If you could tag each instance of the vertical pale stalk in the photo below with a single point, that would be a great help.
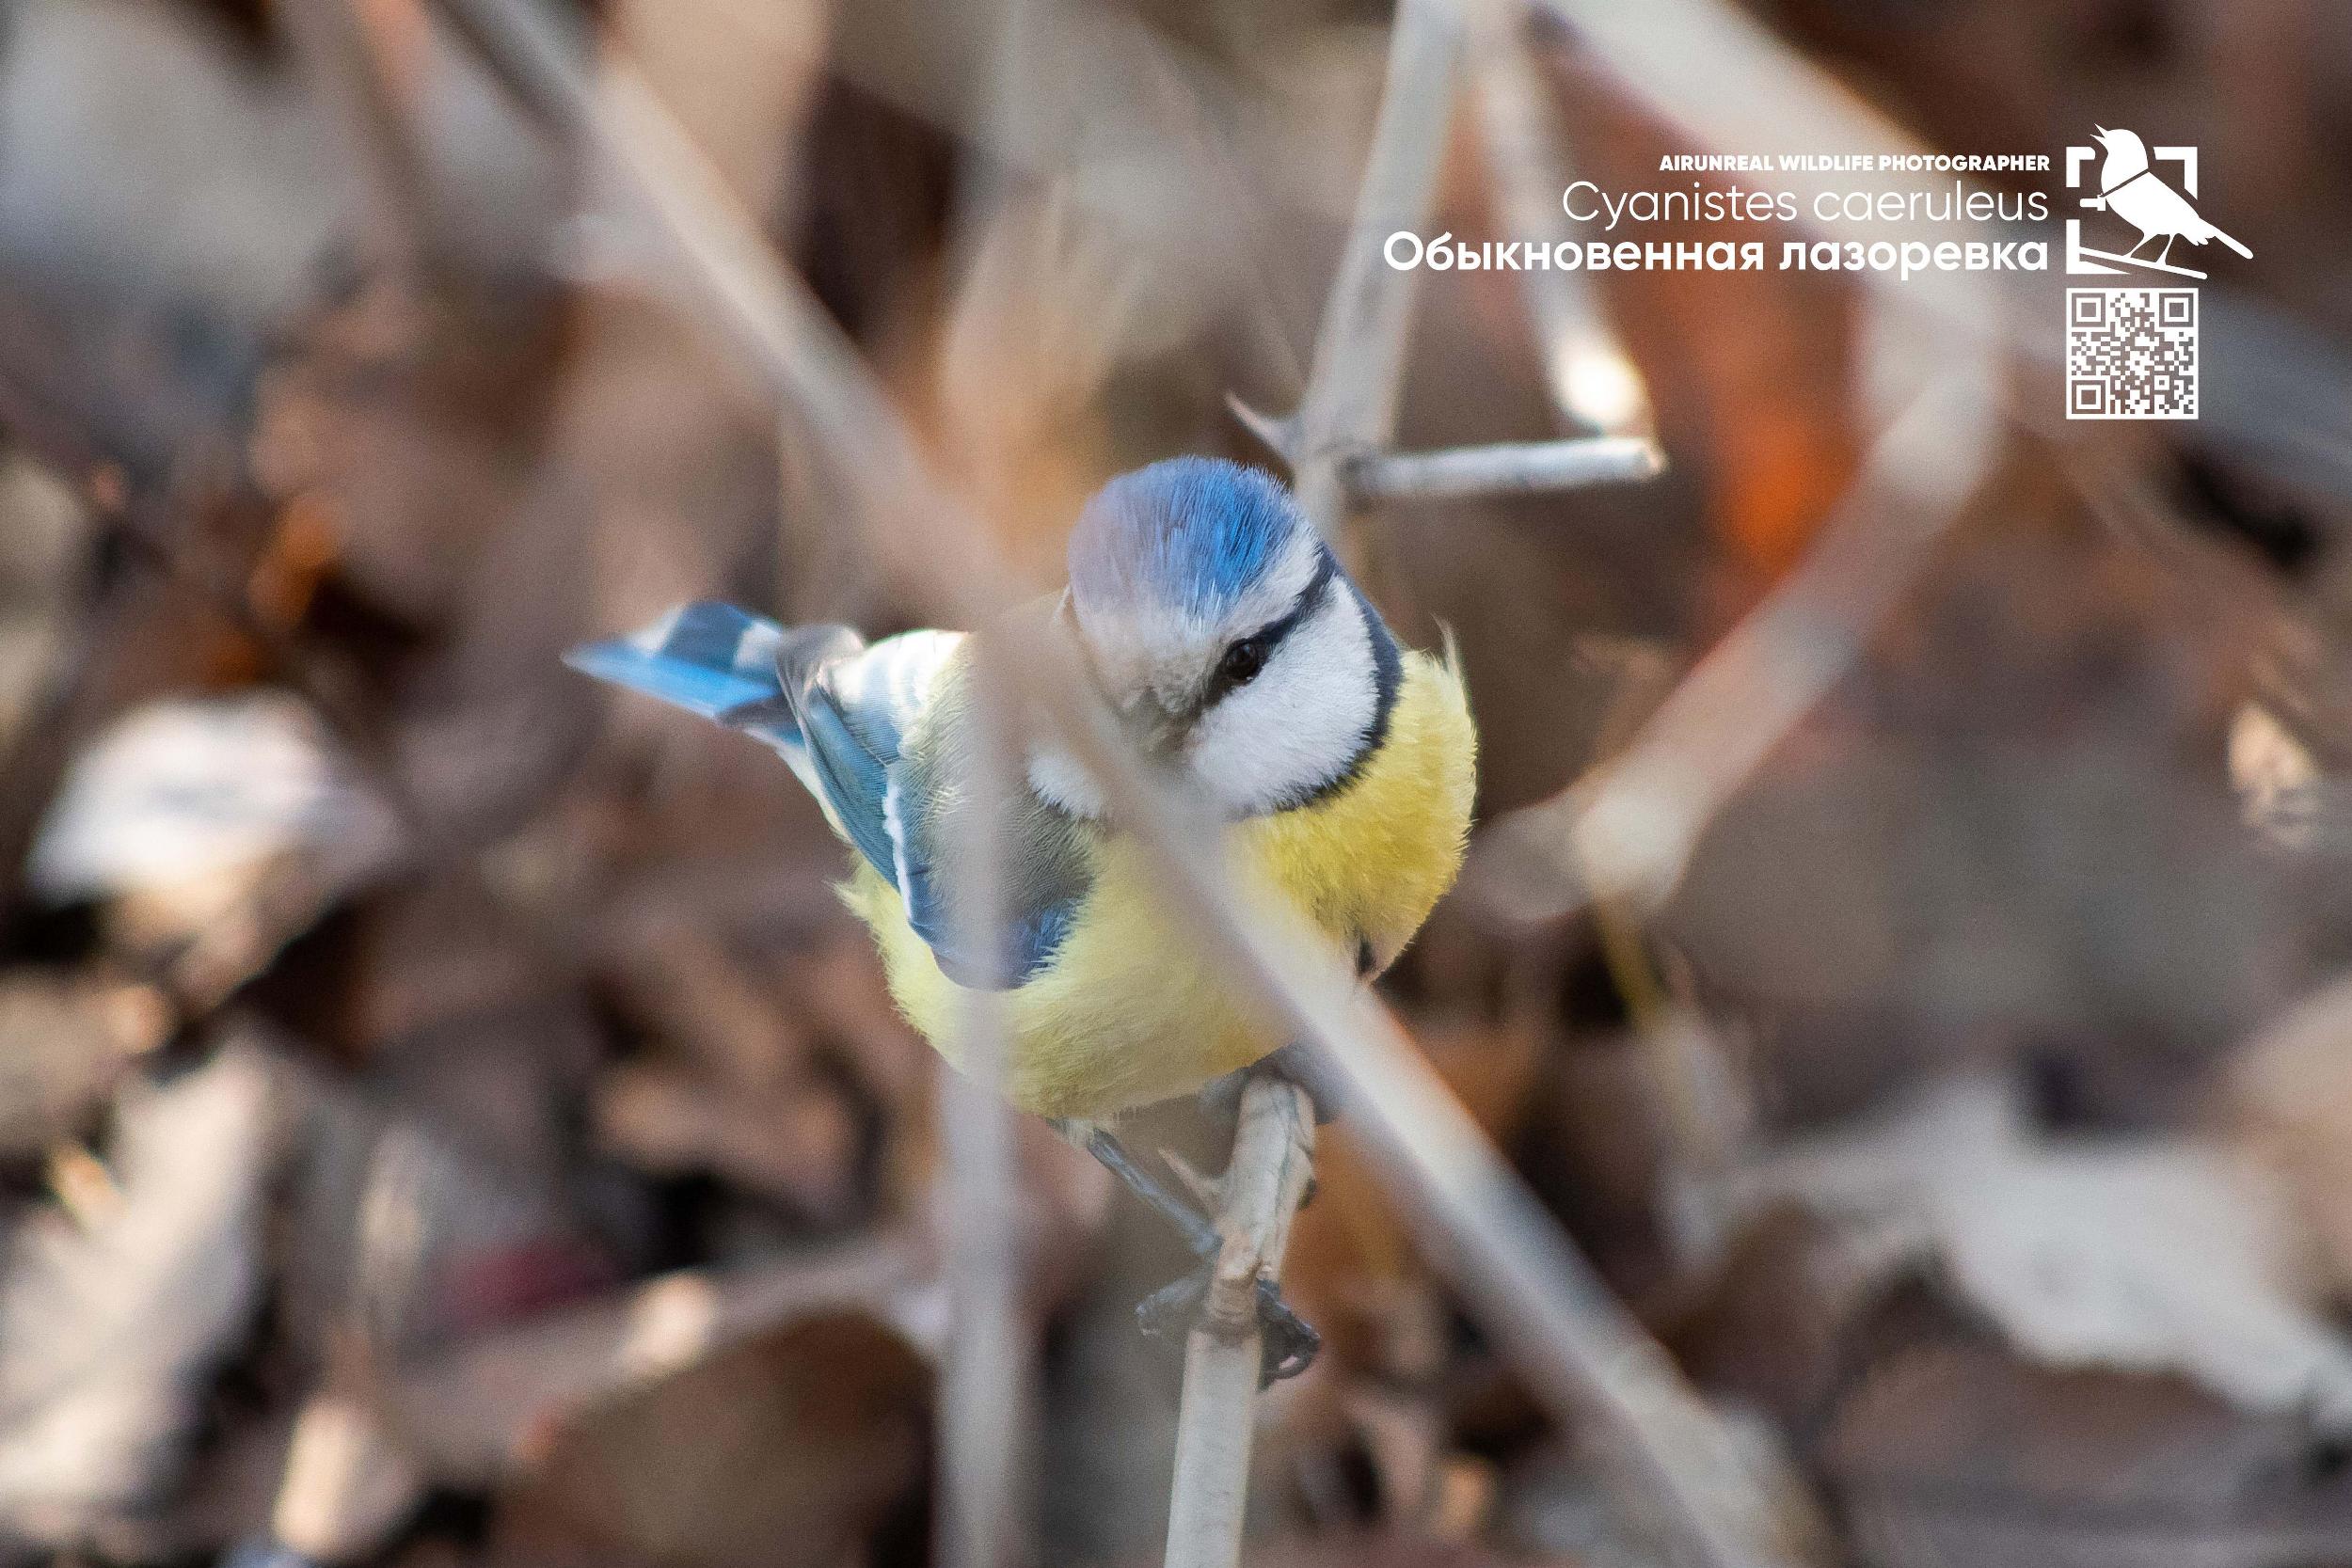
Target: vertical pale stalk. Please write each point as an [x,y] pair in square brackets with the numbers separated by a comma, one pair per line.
[1349,409]
[984,1395]
[1265,1183]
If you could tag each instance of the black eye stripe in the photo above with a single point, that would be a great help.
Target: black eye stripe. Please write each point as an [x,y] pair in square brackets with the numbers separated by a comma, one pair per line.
[1310,599]
[1225,679]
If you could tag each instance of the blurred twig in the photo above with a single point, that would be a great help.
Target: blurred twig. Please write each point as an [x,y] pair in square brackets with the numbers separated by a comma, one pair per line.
[1358,367]
[354,54]
[1593,385]
[1630,832]
[983,1417]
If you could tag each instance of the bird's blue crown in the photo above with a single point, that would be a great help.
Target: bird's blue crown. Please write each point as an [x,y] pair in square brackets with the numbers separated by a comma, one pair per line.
[1191,533]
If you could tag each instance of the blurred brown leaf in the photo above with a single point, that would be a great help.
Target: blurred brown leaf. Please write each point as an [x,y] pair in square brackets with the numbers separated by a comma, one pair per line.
[64,1044]
[108,1333]
[1957,1452]
[2134,1254]
[785,1451]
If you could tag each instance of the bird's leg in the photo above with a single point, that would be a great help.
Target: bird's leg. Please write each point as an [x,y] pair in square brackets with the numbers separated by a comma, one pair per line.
[1291,1341]
[1198,1230]
[2168,249]
[2143,240]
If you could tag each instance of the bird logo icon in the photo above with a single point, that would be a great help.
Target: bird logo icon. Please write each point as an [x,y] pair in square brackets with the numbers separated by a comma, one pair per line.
[2130,187]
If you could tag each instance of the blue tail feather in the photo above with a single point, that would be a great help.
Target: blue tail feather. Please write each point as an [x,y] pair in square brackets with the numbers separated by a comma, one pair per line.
[708,657]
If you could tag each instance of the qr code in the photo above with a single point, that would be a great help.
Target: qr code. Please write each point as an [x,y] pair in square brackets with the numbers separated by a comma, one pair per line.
[2131,354]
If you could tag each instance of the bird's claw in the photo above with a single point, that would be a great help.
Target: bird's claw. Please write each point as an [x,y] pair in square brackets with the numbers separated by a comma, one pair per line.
[1287,1343]
[1296,1063]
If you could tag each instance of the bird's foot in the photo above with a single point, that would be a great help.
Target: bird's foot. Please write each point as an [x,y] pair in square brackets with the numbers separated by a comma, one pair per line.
[1287,1342]
[1297,1061]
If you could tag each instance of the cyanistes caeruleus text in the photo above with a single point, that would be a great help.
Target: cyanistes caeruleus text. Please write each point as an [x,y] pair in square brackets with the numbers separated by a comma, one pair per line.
[1232,647]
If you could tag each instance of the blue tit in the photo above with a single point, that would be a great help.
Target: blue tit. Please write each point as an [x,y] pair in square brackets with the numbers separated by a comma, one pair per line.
[1233,648]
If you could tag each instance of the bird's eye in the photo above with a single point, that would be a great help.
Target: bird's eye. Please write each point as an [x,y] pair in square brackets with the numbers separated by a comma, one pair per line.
[1242,661]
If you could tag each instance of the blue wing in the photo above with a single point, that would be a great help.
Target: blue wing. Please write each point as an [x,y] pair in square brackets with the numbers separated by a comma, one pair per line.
[1031,939]
[859,715]
[855,713]
[843,714]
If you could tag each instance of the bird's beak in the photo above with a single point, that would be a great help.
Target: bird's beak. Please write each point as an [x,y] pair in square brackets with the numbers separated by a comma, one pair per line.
[2099,135]
[1157,728]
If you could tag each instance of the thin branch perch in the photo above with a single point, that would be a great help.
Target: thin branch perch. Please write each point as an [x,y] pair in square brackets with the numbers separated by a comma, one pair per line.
[1265,1183]
[1349,409]
[984,1422]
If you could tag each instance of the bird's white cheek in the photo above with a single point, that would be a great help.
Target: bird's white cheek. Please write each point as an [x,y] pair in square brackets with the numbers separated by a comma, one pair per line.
[1298,727]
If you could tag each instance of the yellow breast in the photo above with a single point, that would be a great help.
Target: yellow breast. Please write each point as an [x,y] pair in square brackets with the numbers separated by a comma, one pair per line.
[1127,1012]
